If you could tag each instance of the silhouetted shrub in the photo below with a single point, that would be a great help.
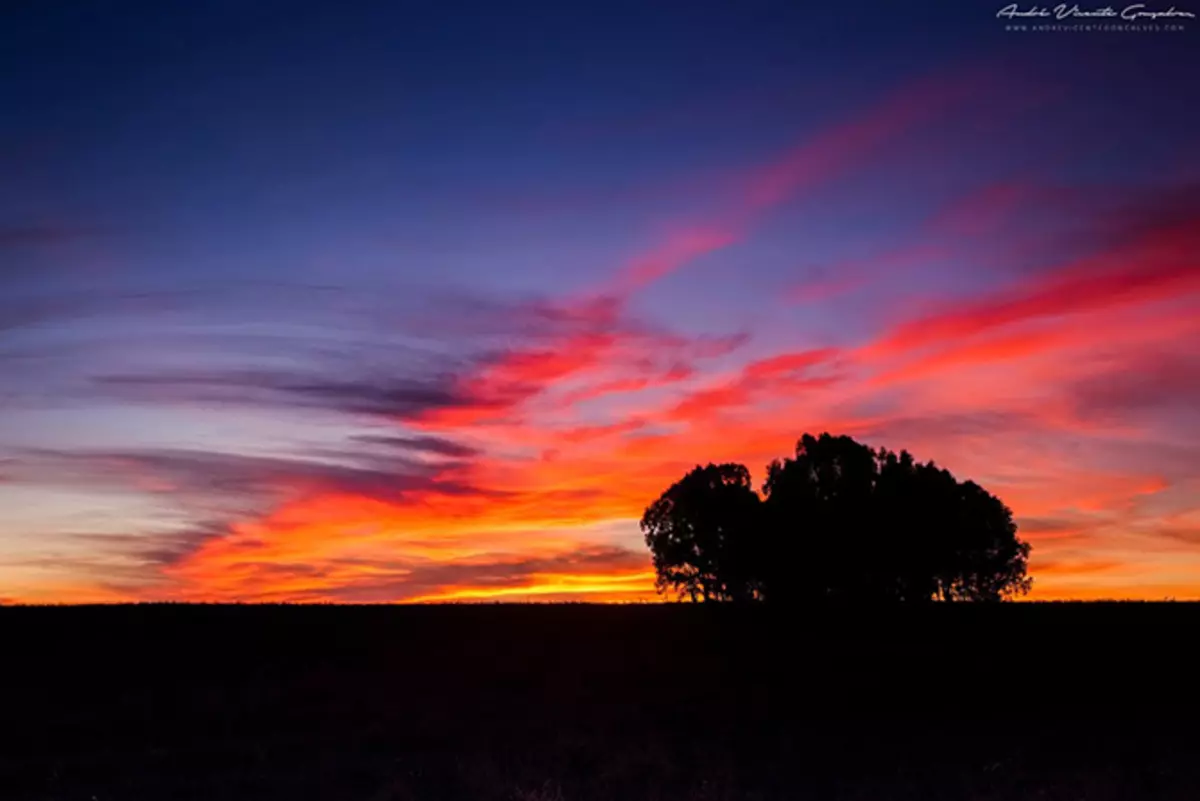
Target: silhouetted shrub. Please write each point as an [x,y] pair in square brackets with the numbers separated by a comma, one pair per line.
[839,521]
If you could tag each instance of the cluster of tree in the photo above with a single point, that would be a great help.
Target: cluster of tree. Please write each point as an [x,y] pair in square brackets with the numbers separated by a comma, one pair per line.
[837,522]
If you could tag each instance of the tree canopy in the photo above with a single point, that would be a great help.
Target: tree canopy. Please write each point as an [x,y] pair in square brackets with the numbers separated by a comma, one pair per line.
[837,522]
[704,534]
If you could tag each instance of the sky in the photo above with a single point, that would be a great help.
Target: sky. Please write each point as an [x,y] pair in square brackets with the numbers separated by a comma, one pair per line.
[372,302]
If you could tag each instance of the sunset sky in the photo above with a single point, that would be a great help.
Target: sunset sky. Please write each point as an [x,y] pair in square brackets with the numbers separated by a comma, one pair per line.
[383,301]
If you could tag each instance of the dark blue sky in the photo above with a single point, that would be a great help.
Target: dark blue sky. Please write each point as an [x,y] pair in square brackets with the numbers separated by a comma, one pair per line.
[286,129]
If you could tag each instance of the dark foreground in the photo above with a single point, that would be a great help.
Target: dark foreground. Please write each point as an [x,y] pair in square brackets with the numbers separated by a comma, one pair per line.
[616,703]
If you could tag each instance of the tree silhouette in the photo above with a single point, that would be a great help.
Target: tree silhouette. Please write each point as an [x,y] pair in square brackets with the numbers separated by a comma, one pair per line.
[840,522]
[704,533]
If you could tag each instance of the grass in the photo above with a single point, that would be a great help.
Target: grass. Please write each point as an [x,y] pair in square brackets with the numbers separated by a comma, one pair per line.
[585,703]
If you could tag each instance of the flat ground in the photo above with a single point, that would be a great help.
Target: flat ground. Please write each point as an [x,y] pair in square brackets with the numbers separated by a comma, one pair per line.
[574,702]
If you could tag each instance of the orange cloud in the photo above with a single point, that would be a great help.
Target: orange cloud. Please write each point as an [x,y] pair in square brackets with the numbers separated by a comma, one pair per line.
[1159,266]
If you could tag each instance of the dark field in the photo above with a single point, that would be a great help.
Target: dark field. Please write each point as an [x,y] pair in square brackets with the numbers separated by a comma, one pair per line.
[570,702]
